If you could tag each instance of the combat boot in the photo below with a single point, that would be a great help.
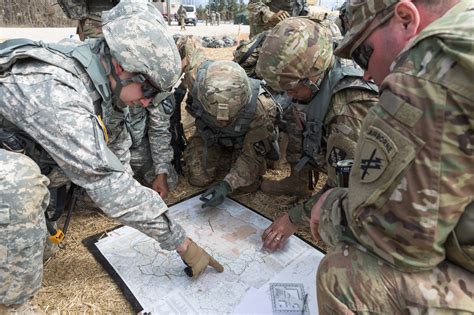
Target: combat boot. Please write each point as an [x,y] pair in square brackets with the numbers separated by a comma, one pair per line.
[297,184]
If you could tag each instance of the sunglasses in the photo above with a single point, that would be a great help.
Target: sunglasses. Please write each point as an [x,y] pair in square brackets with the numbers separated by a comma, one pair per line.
[362,55]
[148,90]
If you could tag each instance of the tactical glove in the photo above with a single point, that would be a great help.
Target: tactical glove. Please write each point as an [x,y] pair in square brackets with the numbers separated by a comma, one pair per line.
[215,195]
[197,259]
[278,17]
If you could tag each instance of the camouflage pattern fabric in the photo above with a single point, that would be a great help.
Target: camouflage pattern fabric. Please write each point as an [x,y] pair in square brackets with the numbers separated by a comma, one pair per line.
[223,98]
[260,12]
[88,14]
[24,197]
[306,51]
[74,9]
[223,91]
[163,65]
[413,173]
[250,63]
[296,49]
[120,139]
[151,122]
[247,165]
[341,128]
[363,17]
[350,281]
[89,28]
[63,122]
[192,56]
[86,161]
[153,154]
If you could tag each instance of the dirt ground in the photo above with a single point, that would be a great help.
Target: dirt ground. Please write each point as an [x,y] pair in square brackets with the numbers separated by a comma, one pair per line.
[75,283]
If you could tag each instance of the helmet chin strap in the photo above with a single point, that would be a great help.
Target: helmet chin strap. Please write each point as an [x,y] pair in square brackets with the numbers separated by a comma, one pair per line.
[119,84]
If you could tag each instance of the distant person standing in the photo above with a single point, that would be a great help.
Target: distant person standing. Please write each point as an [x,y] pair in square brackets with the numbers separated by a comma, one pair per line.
[218,16]
[206,16]
[182,17]
[213,18]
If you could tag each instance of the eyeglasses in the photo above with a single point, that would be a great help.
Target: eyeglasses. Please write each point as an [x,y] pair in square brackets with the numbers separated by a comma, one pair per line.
[362,55]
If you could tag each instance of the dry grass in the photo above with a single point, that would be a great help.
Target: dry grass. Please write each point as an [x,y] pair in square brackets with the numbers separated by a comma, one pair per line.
[75,283]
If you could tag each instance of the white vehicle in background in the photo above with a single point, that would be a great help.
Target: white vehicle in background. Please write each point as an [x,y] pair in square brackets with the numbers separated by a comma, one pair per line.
[191,17]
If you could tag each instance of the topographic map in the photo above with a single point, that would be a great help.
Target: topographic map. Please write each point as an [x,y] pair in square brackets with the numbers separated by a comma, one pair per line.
[231,234]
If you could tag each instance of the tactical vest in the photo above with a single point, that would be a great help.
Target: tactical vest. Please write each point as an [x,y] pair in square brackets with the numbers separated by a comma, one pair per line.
[232,135]
[80,60]
[319,106]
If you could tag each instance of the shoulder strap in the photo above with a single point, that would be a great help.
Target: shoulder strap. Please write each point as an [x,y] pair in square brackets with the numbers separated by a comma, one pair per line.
[246,116]
[95,70]
[258,40]
[81,53]
[318,107]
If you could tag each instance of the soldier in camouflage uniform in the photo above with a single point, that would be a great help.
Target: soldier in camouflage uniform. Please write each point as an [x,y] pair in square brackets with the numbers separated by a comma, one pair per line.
[401,237]
[88,14]
[50,95]
[142,142]
[265,14]
[235,122]
[182,17]
[323,124]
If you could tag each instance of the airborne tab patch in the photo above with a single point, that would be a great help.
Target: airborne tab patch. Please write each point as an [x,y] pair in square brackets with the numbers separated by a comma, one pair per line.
[376,153]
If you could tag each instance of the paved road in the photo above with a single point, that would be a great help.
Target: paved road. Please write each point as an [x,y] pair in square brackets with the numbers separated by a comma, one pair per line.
[56,34]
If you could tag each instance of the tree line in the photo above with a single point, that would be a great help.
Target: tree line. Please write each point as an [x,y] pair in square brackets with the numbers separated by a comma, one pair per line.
[227,8]
[40,13]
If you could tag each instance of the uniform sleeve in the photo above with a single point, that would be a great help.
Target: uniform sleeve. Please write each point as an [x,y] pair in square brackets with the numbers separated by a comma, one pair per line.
[59,117]
[250,163]
[160,138]
[342,126]
[413,174]
[259,12]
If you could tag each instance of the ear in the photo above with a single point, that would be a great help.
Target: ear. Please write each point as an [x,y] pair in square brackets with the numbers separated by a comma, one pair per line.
[117,67]
[408,17]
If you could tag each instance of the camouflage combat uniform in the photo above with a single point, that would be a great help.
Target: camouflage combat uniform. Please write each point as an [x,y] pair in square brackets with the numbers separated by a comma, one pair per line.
[412,179]
[24,196]
[262,12]
[143,146]
[225,92]
[52,100]
[295,50]
[182,17]
[151,153]
[88,15]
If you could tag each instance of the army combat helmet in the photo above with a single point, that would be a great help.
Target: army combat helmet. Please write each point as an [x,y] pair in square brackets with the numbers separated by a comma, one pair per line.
[223,88]
[295,50]
[137,37]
